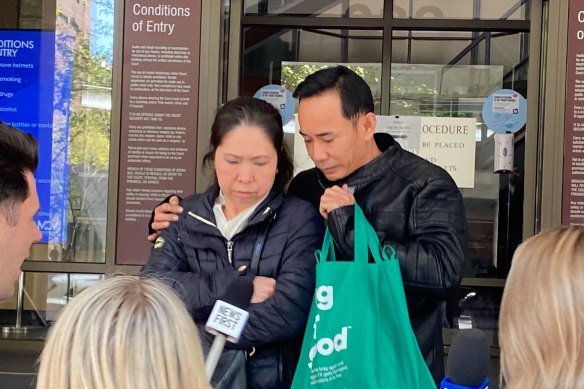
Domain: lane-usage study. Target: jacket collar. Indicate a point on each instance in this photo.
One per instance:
(372, 170)
(266, 208)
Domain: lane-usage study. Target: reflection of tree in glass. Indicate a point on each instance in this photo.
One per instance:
(89, 141)
(406, 96)
(102, 28)
(414, 88)
(91, 51)
(89, 126)
(294, 74)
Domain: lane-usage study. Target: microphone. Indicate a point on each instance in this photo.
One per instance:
(468, 361)
(228, 319)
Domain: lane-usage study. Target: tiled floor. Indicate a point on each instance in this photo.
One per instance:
(19, 352)
(18, 369)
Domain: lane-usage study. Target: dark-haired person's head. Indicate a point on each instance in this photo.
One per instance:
(337, 120)
(355, 94)
(247, 150)
(19, 203)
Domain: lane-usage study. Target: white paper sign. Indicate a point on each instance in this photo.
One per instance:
(404, 129)
(451, 144)
(302, 160)
(447, 142)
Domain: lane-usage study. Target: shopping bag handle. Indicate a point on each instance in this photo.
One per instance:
(365, 241)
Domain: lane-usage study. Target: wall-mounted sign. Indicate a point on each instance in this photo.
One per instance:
(505, 111)
(573, 180)
(447, 142)
(302, 160)
(28, 95)
(159, 114)
(404, 129)
(280, 98)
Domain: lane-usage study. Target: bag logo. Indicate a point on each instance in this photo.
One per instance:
(326, 346)
(324, 297)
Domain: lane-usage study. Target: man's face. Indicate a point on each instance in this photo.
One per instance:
(15, 240)
(336, 145)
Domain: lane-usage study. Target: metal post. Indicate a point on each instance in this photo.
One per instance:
(18, 328)
(20, 301)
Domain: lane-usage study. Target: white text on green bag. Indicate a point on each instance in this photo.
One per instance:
(326, 346)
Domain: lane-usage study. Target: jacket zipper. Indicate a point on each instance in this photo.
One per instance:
(230, 251)
(229, 242)
(266, 211)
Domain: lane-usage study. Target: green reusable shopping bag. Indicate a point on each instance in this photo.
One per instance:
(358, 333)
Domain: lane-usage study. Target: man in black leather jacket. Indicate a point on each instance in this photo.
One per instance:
(412, 204)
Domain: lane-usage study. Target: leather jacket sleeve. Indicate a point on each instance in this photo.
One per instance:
(151, 220)
(198, 289)
(432, 257)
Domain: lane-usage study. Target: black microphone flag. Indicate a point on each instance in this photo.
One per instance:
(467, 365)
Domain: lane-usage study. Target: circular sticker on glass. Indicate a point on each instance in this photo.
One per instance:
(505, 111)
(280, 98)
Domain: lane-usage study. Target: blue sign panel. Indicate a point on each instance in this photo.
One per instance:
(27, 90)
(505, 111)
(280, 98)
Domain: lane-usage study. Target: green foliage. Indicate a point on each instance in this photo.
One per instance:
(408, 95)
(89, 138)
(89, 127)
(89, 69)
(294, 74)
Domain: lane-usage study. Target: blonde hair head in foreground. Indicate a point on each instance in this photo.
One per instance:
(125, 332)
(541, 326)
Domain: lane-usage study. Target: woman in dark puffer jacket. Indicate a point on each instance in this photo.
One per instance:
(213, 240)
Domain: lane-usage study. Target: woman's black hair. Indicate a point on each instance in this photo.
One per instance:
(250, 111)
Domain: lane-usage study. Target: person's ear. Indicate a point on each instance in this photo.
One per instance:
(368, 124)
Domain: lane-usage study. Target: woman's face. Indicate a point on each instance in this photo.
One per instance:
(245, 164)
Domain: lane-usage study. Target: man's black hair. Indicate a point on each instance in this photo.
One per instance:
(355, 94)
(18, 155)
